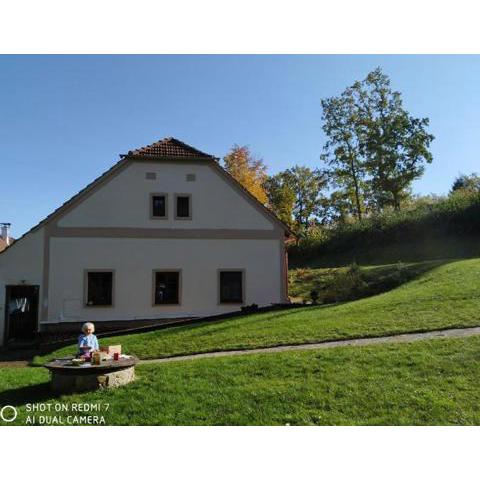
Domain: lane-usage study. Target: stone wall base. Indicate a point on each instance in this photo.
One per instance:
(71, 382)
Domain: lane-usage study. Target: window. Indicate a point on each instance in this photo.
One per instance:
(99, 288)
(183, 208)
(231, 286)
(166, 287)
(158, 205)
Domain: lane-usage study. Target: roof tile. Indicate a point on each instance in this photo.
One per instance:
(170, 147)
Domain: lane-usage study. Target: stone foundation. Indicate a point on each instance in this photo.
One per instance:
(71, 382)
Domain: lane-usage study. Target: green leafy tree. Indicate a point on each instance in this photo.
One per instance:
(395, 144)
(307, 186)
(281, 197)
(375, 148)
(339, 207)
(342, 151)
(468, 183)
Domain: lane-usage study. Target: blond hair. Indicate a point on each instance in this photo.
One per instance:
(86, 325)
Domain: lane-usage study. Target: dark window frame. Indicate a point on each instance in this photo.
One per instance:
(154, 286)
(152, 197)
(183, 195)
(87, 288)
(237, 300)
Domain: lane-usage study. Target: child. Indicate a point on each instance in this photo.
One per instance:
(87, 342)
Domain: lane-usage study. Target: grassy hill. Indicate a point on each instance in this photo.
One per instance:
(422, 383)
(446, 295)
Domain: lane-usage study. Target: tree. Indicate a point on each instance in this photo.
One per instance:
(342, 151)
(469, 183)
(281, 197)
(339, 207)
(375, 148)
(394, 144)
(307, 186)
(249, 171)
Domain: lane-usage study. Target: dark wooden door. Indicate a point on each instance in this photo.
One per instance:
(21, 311)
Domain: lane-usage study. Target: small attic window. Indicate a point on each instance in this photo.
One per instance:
(183, 206)
(151, 176)
(158, 205)
(191, 177)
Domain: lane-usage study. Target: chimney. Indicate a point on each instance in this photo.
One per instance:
(5, 229)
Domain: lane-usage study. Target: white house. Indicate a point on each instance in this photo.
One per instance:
(166, 232)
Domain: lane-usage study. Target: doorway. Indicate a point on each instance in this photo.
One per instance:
(21, 312)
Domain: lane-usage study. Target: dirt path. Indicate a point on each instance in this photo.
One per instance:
(14, 363)
(401, 338)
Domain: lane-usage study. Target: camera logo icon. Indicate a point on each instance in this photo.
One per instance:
(8, 413)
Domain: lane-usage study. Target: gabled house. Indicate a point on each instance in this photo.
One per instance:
(165, 233)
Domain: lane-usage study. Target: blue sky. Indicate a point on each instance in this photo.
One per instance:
(65, 119)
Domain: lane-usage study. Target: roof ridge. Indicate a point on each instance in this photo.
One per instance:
(170, 147)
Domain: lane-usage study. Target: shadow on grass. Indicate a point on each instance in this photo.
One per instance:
(225, 324)
(31, 394)
(337, 285)
(217, 326)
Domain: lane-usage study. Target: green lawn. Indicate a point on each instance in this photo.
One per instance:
(445, 296)
(423, 383)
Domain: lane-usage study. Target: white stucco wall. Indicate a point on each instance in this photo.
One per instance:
(21, 263)
(125, 200)
(134, 260)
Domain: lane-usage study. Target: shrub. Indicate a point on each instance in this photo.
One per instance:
(304, 274)
(457, 215)
(349, 283)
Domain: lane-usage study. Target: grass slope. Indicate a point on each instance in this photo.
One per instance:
(422, 383)
(446, 296)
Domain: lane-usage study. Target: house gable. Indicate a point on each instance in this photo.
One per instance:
(124, 201)
(163, 151)
(172, 168)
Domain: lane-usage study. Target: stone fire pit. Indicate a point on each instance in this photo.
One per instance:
(67, 378)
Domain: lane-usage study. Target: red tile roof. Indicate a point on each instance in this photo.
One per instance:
(170, 147)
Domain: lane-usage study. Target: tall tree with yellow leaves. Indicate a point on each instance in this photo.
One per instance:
(249, 171)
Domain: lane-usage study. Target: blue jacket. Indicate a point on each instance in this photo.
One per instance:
(87, 341)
